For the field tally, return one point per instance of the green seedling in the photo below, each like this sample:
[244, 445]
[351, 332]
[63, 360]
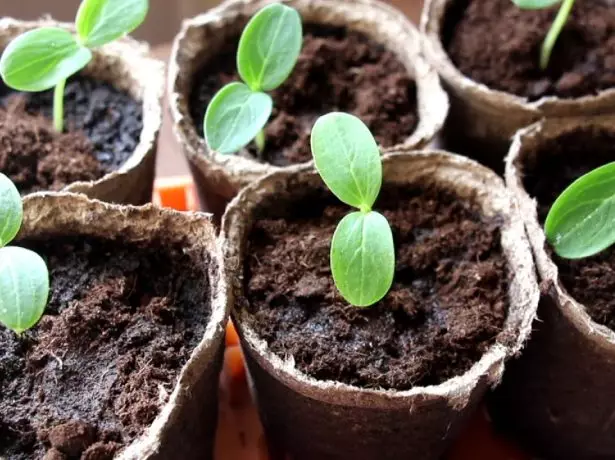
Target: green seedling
[268, 51]
[46, 57]
[556, 27]
[580, 222]
[24, 279]
[347, 158]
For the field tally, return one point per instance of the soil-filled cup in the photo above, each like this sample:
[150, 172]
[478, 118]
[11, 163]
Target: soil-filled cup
[126, 359]
[112, 117]
[558, 396]
[398, 379]
[361, 57]
[488, 56]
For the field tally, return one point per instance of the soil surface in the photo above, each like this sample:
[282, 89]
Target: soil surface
[338, 70]
[496, 43]
[93, 374]
[447, 305]
[102, 128]
[548, 172]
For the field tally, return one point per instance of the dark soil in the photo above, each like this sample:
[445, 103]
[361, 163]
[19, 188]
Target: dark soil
[102, 128]
[338, 70]
[93, 374]
[496, 43]
[547, 173]
[446, 307]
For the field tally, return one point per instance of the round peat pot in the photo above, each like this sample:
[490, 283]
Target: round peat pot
[360, 56]
[398, 379]
[487, 55]
[559, 395]
[126, 359]
[112, 112]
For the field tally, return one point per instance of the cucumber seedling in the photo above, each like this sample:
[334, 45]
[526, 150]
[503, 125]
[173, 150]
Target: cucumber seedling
[46, 57]
[268, 51]
[556, 27]
[24, 279]
[347, 158]
[581, 221]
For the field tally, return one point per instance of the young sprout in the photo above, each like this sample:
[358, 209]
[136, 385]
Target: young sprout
[556, 27]
[24, 280]
[362, 253]
[580, 222]
[268, 51]
[46, 57]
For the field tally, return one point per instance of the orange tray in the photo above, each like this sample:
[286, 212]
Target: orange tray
[240, 435]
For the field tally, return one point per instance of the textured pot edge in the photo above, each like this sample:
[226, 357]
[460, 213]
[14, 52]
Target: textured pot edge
[458, 390]
[148, 72]
[244, 169]
[201, 232]
[574, 311]
[437, 56]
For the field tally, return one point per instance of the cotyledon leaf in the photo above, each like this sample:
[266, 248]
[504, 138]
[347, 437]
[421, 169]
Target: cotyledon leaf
[581, 222]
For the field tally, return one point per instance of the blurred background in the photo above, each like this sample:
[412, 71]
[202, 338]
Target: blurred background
[162, 23]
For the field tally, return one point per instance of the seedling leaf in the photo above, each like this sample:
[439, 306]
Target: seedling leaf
[581, 221]
[235, 116]
[348, 159]
[102, 21]
[269, 47]
[40, 59]
[11, 210]
[363, 258]
[24, 288]
[535, 4]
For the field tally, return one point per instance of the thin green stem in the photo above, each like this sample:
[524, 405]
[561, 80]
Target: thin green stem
[554, 32]
[260, 141]
[58, 106]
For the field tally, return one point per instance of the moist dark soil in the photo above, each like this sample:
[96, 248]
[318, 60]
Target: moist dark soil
[447, 305]
[338, 70]
[496, 43]
[547, 173]
[93, 374]
[102, 128]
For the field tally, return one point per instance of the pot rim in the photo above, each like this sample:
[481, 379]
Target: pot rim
[57, 213]
[432, 18]
[434, 164]
[147, 77]
[574, 311]
[241, 168]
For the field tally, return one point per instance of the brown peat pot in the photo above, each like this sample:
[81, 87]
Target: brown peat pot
[487, 55]
[559, 395]
[359, 56]
[113, 115]
[398, 379]
[125, 362]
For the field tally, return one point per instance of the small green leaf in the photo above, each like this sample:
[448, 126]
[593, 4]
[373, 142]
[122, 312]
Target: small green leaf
[234, 117]
[11, 210]
[581, 221]
[363, 258]
[102, 21]
[535, 4]
[347, 158]
[269, 47]
[41, 58]
[24, 288]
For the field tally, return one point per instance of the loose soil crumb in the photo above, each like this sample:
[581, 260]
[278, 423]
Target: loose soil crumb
[547, 173]
[338, 70]
[105, 357]
[103, 127]
[447, 305]
[496, 43]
